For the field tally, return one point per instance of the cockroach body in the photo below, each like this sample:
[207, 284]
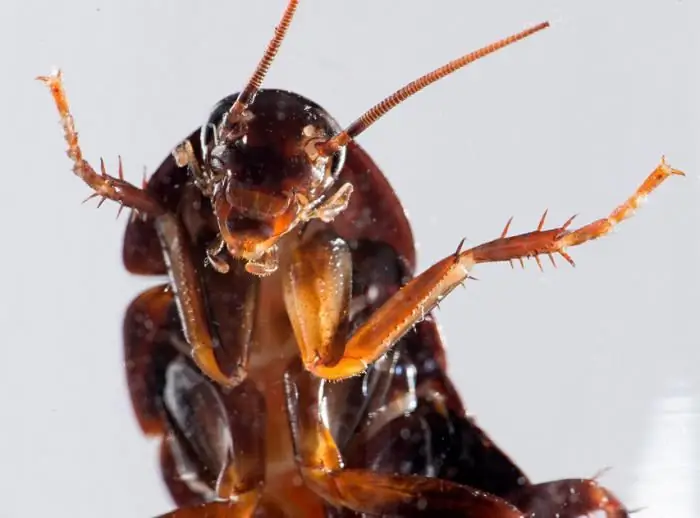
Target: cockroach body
[290, 363]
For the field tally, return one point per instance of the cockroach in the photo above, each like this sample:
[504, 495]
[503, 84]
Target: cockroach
[290, 363]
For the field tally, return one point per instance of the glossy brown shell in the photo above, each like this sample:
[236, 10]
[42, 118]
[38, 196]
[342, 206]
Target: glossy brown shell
[432, 437]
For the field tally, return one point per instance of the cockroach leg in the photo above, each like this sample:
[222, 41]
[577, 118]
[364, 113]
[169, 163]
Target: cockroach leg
[217, 438]
[573, 497]
[417, 298]
[317, 288]
[626, 210]
[104, 185]
[364, 491]
[557, 240]
[189, 300]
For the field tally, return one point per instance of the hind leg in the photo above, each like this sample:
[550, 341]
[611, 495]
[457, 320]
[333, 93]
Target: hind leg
[365, 491]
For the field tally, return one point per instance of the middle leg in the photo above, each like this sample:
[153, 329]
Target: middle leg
[337, 360]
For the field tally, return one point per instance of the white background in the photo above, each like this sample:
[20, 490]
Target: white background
[570, 371]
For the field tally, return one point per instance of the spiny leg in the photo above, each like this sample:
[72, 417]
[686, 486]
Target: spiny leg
[186, 285]
[104, 185]
[624, 211]
[363, 491]
[417, 298]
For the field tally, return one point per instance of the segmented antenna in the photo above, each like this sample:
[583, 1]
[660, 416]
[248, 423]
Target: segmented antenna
[248, 93]
[373, 114]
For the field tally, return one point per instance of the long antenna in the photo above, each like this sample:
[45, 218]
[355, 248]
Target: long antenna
[248, 93]
[379, 110]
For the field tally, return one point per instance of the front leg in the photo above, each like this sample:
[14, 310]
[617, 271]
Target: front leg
[186, 284]
[317, 289]
[104, 185]
[418, 297]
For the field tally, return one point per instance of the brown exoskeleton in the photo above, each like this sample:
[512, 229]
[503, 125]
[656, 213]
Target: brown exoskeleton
[276, 288]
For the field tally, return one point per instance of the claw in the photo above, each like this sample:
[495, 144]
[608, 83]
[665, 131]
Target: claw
[101, 183]
[670, 170]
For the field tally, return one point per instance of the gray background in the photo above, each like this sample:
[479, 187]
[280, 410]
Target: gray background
[570, 371]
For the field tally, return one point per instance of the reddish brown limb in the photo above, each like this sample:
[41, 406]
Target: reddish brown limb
[364, 491]
[557, 240]
[394, 318]
[410, 305]
[187, 289]
[104, 185]
[622, 212]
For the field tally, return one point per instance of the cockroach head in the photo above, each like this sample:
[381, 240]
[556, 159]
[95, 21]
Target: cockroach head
[271, 158]
[261, 170]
